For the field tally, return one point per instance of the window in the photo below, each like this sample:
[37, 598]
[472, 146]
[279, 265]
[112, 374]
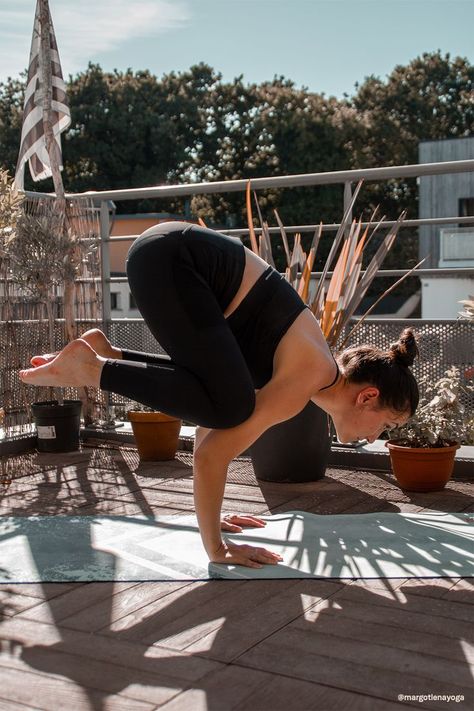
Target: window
[115, 301]
[132, 304]
[466, 208]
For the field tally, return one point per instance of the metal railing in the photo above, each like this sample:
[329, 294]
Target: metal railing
[281, 181]
[344, 177]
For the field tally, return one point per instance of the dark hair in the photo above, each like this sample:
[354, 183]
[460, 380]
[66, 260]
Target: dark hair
[389, 371]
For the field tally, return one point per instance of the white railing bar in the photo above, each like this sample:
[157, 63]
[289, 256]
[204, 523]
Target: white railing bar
[442, 271]
[282, 181]
[329, 227]
[332, 227]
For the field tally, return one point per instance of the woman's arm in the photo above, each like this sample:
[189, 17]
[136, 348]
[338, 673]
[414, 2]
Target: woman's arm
[232, 523]
[281, 399]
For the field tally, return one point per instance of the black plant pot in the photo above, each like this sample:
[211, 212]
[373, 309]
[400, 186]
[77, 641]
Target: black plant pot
[296, 450]
[58, 425]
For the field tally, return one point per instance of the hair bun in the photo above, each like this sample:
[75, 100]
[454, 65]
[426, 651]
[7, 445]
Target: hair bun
[405, 350]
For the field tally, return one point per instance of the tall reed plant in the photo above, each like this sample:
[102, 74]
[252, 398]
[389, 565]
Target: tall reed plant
[335, 300]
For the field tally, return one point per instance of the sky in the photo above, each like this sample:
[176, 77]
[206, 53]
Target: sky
[325, 45]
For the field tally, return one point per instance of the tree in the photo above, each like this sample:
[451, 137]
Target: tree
[274, 129]
[130, 130]
[303, 128]
[12, 94]
[430, 98]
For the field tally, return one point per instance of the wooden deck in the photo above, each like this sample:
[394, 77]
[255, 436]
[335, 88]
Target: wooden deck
[222, 645]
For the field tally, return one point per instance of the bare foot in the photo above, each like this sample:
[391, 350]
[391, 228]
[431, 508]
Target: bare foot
[42, 359]
[76, 365]
[97, 341]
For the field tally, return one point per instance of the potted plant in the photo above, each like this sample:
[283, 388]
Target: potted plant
[422, 451]
[468, 315]
[156, 433]
[48, 244]
[278, 455]
[468, 312]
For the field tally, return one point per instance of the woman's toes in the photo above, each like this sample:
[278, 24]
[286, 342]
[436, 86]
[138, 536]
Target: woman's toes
[25, 375]
[37, 360]
[42, 359]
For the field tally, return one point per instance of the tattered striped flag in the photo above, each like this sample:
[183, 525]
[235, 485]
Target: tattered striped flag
[33, 144]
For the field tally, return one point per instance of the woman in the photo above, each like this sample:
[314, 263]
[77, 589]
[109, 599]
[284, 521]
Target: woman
[243, 353]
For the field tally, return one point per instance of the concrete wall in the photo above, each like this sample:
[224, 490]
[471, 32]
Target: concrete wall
[441, 296]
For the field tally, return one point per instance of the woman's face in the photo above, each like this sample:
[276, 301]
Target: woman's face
[366, 419]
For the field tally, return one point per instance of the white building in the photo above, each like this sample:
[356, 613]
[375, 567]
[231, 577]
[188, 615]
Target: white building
[448, 246]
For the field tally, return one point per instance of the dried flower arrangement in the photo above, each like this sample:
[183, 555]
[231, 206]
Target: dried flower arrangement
[45, 245]
[441, 418]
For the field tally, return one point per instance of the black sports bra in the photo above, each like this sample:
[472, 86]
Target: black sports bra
[335, 379]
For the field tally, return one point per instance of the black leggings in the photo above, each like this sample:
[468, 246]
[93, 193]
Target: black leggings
[204, 378]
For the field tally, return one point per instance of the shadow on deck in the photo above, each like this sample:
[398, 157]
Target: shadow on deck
[222, 645]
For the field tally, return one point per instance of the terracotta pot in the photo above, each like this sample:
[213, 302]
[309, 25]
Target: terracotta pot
[421, 468]
[156, 435]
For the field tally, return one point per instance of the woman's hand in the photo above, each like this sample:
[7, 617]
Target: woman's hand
[234, 523]
[249, 556]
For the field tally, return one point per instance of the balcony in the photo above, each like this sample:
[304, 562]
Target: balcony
[218, 645]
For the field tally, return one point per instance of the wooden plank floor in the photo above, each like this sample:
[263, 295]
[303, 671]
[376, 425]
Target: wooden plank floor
[289, 645]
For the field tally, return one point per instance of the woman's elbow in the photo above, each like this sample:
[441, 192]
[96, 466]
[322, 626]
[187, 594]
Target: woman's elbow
[206, 453]
[206, 460]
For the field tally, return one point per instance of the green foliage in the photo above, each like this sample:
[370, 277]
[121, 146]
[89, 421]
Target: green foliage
[430, 98]
[441, 418]
[129, 130]
[11, 112]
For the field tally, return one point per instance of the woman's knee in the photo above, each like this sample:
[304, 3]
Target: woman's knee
[238, 411]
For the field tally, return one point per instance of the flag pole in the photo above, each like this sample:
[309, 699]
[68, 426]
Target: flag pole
[53, 150]
[45, 58]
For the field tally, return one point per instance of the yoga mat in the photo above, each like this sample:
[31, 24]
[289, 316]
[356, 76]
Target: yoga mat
[141, 548]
